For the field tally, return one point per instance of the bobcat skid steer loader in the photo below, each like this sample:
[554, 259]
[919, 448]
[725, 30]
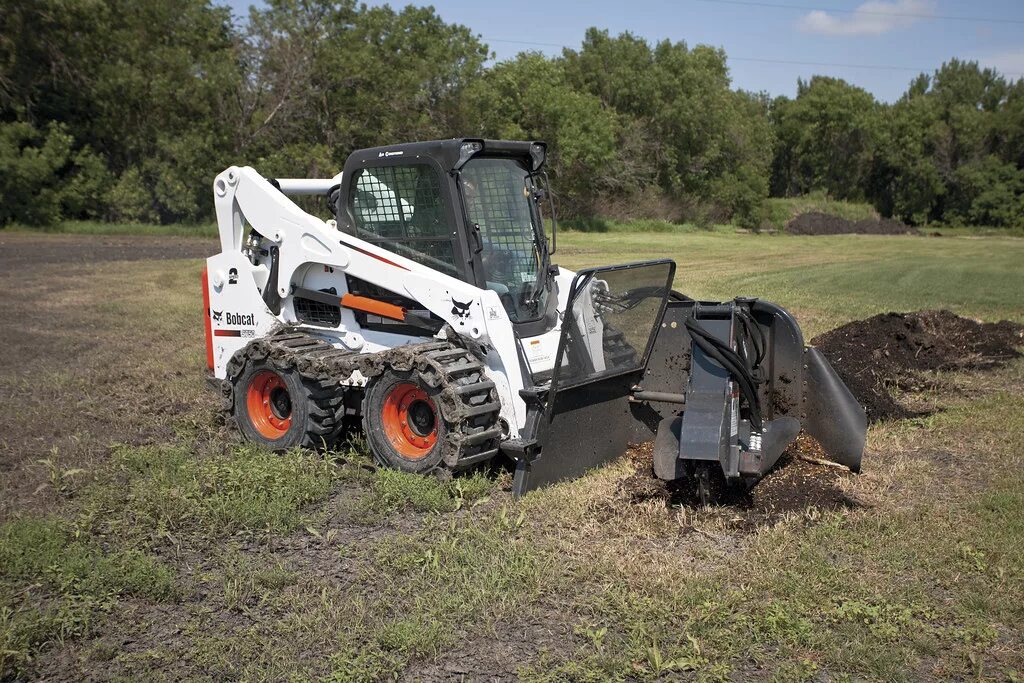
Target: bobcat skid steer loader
[428, 306]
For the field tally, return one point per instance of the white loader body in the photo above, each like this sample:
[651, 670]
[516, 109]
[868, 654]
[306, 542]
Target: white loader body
[314, 255]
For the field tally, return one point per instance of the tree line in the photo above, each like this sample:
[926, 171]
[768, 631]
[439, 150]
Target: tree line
[123, 110]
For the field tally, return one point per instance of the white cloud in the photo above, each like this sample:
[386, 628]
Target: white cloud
[1009, 63]
[871, 18]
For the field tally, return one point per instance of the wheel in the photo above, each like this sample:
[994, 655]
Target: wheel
[278, 410]
[403, 426]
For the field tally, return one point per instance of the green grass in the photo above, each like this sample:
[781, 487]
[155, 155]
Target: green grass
[165, 490]
[826, 280]
[74, 579]
[647, 225]
[973, 231]
[880, 593]
[391, 491]
[313, 566]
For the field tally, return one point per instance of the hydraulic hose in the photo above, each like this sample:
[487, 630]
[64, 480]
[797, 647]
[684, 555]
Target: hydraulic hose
[733, 363]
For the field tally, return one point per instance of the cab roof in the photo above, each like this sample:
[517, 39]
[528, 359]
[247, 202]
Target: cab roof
[454, 152]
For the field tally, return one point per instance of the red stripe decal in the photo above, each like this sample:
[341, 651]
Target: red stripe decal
[227, 333]
[379, 258]
[207, 334]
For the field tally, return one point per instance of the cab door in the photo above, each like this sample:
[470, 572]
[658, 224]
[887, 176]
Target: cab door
[608, 330]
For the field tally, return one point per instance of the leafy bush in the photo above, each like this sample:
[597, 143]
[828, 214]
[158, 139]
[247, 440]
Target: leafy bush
[129, 199]
[990, 192]
[31, 162]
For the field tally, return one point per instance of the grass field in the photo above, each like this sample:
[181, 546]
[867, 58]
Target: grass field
[140, 541]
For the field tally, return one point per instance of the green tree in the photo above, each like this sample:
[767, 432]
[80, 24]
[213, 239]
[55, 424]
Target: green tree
[529, 98]
[951, 149]
[703, 143]
[145, 86]
[333, 77]
[826, 138]
[30, 163]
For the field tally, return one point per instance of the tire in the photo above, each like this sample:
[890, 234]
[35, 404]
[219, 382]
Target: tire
[402, 421]
[275, 408]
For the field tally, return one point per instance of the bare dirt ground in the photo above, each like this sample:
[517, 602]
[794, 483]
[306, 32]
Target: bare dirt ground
[817, 223]
[78, 370]
[19, 250]
[802, 478]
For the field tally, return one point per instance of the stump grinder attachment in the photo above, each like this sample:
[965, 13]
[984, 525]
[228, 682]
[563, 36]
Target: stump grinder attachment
[427, 312]
[723, 388]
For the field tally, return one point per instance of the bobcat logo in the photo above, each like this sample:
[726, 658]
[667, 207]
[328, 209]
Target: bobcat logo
[460, 309]
[216, 315]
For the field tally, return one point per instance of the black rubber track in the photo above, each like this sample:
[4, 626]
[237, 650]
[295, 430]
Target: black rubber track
[468, 401]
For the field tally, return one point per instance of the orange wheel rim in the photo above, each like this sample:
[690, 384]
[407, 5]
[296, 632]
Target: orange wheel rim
[410, 421]
[269, 405]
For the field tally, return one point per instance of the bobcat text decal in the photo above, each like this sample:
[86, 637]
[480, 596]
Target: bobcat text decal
[230, 318]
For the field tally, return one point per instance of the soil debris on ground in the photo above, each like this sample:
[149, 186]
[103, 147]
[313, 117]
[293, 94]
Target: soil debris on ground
[818, 223]
[872, 356]
[798, 481]
[891, 350]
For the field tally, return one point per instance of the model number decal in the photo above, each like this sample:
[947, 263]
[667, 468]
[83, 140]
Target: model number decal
[249, 334]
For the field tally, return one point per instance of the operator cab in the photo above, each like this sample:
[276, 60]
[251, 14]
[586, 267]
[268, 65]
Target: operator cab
[468, 208]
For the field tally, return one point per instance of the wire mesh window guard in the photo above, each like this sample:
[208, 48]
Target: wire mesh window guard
[400, 208]
[497, 197]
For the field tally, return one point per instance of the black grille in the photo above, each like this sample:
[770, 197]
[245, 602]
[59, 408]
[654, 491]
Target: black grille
[316, 313]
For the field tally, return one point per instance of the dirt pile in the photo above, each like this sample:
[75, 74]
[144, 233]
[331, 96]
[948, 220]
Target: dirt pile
[890, 350]
[817, 223]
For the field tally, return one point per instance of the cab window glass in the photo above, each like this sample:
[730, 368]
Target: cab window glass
[400, 208]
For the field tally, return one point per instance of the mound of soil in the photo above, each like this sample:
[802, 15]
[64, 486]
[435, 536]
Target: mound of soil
[889, 350]
[817, 223]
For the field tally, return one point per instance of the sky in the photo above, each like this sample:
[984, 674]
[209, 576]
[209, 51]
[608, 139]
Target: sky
[879, 45]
